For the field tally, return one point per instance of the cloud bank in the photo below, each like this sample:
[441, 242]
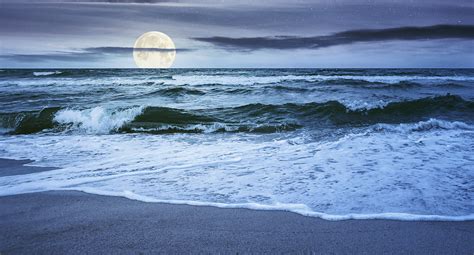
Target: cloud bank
[342, 38]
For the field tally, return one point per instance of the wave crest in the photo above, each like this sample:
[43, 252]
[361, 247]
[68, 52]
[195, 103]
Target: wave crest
[260, 118]
[424, 126]
[97, 120]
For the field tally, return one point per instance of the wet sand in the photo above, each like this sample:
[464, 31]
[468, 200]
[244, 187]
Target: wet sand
[59, 222]
[70, 222]
[17, 167]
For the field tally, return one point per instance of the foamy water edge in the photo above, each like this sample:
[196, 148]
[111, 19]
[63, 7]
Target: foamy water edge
[300, 209]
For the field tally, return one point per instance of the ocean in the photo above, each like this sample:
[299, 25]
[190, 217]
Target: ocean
[331, 143]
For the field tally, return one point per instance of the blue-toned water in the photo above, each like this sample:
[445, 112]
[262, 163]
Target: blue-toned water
[334, 143]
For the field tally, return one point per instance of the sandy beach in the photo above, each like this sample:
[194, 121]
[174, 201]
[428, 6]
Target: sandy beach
[60, 222]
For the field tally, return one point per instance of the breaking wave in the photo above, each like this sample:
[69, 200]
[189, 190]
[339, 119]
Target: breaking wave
[253, 118]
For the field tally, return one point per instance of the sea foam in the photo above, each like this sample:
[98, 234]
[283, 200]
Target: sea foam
[330, 143]
[46, 73]
[398, 172]
[97, 120]
[255, 80]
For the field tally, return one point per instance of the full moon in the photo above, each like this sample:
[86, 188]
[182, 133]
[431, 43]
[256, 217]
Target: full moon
[162, 57]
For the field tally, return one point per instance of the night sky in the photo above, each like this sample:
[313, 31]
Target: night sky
[302, 33]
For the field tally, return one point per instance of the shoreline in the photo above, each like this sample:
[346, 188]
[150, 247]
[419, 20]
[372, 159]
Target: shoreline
[77, 222]
[299, 209]
[10, 167]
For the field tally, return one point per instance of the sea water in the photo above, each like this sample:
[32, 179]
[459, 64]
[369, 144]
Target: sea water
[332, 143]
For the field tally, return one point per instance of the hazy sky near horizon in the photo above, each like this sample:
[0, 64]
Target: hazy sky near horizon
[301, 33]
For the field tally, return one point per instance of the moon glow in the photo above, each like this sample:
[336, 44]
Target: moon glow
[162, 57]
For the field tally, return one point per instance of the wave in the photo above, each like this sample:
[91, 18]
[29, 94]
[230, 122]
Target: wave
[373, 84]
[96, 120]
[318, 79]
[230, 79]
[213, 128]
[28, 122]
[234, 79]
[259, 118]
[287, 88]
[46, 73]
[389, 165]
[176, 91]
[256, 76]
[424, 126]
[309, 85]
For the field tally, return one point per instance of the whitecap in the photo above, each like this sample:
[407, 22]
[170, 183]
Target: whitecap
[98, 120]
[46, 73]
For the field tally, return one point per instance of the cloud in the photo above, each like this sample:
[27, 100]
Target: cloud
[342, 38]
[188, 18]
[129, 1]
[122, 50]
[95, 1]
[86, 54]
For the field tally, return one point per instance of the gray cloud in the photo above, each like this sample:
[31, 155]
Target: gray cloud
[94, 1]
[122, 50]
[59, 56]
[198, 19]
[347, 37]
[86, 54]
[129, 1]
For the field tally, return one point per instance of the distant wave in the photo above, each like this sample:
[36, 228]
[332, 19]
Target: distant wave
[238, 78]
[46, 73]
[176, 91]
[373, 84]
[321, 79]
[258, 118]
[288, 88]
